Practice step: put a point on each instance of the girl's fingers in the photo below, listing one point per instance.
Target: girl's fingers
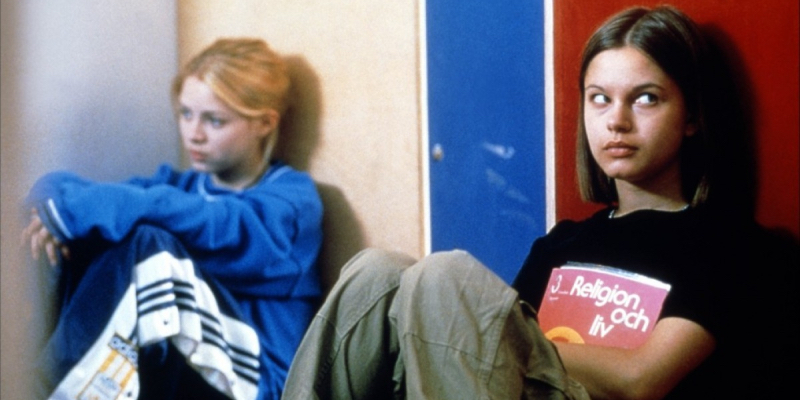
(29, 230)
(36, 246)
(51, 250)
(65, 252)
(42, 237)
(42, 241)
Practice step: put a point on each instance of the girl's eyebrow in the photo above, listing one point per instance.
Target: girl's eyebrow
(222, 115)
(214, 113)
(598, 87)
(649, 85)
(637, 88)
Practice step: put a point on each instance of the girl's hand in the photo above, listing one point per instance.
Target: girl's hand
(675, 347)
(41, 240)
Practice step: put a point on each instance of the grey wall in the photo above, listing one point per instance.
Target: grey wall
(85, 87)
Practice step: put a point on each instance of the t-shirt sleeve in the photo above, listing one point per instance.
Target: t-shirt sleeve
(716, 276)
(531, 281)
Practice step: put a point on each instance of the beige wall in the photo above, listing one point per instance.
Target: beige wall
(86, 89)
(356, 65)
(356, 126)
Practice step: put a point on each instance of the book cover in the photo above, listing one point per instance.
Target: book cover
(600, 305)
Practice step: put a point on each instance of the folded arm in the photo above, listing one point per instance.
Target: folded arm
(675, 347)
(252, 236)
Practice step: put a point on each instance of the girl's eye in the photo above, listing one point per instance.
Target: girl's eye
(599, 98)
(215, 122)
(185, 113)
(646, 98)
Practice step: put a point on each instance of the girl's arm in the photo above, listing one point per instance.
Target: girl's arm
(255, 240)
(675, 347)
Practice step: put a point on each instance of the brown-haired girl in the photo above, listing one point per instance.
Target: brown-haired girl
(445, 327)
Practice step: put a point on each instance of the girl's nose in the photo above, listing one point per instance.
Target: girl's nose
(196, 132)
(619, 120)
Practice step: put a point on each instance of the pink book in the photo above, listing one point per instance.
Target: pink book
(600, 305)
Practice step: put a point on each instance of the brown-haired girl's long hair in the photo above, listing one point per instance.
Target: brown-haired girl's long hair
(673, 42)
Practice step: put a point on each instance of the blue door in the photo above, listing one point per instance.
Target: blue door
(486, 128)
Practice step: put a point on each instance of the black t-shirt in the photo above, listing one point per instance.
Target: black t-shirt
(728, 276)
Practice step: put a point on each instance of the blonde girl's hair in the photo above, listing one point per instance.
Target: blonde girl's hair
(245, 74)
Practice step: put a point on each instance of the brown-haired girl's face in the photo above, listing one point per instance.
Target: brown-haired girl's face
(635, 117)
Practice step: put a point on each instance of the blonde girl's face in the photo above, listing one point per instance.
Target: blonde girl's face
(635, 117)
(217, 139)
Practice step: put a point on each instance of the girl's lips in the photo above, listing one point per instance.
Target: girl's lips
(196, 155)
(619, 149)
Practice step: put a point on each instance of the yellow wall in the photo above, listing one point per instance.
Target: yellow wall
(85, 89)
(357, 68)
(356, 128)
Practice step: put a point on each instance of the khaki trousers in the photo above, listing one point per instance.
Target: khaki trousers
(442, 328)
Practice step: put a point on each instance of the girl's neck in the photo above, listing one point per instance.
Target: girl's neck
(634, 198)
(243, 181)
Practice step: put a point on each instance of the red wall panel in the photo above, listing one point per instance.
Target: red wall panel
(765, 36)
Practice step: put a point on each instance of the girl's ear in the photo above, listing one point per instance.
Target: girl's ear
(268, 122)
(691, 128)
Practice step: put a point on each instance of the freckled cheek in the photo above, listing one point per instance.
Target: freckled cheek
(184, 128)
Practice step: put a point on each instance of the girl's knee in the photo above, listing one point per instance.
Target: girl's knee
(453, 265)
(146, 240)
(372, 273)
(373, 263)
(150, 232)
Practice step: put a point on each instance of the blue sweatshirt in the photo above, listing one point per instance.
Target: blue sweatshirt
(261, 244)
